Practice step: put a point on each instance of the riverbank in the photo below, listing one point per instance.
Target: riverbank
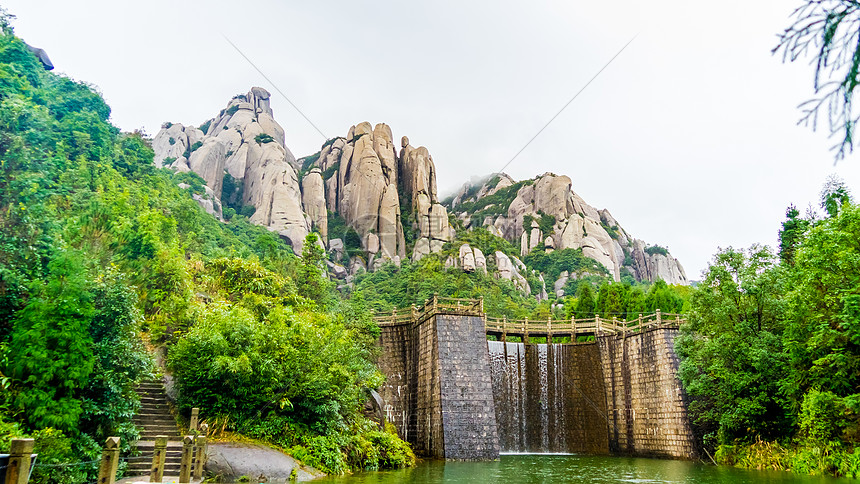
(828, 458)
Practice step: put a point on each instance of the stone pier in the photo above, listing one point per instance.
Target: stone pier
(438, 390)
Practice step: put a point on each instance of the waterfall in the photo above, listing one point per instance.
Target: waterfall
(549, 398)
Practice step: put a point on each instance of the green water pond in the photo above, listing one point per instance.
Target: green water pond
(535, 469)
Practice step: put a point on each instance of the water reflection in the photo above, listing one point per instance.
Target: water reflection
(540, 469)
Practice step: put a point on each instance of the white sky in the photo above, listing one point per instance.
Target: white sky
(688, 137)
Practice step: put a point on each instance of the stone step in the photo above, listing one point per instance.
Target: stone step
(173, 453)
(148, 446)
(150, 389)
(152, 407)
(153, 435)
(153, 390)
(159, 429)
(152, 424)
(153, 413)
(159, 419)
(170, 470)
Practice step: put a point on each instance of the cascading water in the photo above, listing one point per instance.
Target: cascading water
(549, 398)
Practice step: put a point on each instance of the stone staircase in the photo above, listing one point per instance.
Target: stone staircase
(153, 419)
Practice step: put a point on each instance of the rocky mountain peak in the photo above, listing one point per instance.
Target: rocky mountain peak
(246, 142)
(373, 203)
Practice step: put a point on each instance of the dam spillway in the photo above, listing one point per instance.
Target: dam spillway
(454, 395)
(548, 398)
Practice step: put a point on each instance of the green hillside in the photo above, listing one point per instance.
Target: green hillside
(99, 250)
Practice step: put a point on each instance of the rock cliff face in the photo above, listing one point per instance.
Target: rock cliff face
(546, 214)
(367, 183)
(245, 141)
(373, 201)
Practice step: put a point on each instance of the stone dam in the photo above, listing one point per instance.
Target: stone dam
(454, 395)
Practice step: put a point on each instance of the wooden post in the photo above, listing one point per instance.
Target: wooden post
(435, 303)
(110, 459)
(526, 330)
(156, 472)
(639, 324)
(549, 330)
(195, 416)
(596, 324)
(187, 455)
(659, 319)
(200, 456)
(573, 329)
(482, 305)
(18, 469)
(414, 313)
(504, 328)
(615, 323)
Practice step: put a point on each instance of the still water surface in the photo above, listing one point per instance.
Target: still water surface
(539, 469)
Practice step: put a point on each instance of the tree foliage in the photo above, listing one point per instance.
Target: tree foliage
(829, 31)
(772, 351)
(731, 350)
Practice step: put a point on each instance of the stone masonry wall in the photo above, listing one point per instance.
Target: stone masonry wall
(468, 416)
(646, 404)
(395, 363)
(426, 425)
(438, 391)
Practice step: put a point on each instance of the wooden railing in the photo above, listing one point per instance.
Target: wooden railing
(524, 327)
(435, 305)
(573, 327)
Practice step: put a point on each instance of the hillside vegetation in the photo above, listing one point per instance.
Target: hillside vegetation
(771, 354)
(97, 247)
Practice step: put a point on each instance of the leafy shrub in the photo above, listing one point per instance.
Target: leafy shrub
(232, 110)
(205, 126)
(554, 263)
(263, 138)
(196, 183)
(331, 170)
(196, 146)
(822, 416)
(656, 249)
(495, 204)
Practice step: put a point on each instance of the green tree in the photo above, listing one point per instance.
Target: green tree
(823, 337)
(732, 358)
(51, 354)
(661, 296)
(612, 299)
(791, 234)
(311, 275)
(834, 194)
(828, 29)
(586, 307)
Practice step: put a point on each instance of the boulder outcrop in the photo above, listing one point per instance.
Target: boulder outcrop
(384, 193)
(246, 141)
(313, 200)
(367, 182)
(546, 214)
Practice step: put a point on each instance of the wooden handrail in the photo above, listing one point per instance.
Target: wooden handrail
(522, 328)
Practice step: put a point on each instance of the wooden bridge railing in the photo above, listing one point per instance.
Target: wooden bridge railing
(434, 305)
(524, 327)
